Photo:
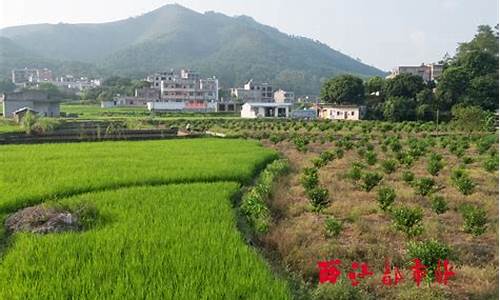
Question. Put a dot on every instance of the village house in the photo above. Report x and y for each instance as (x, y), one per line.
(253, 92)
(185, 86)
(32, 100)
(429, 72)
(228, 107)
(265, 110)
(141, 98)
(281, 96)
(25, 77)
(340, 112)
(181, 106)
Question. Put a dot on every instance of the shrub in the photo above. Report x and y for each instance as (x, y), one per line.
(253, 204)
(407, 160)
(275, 138)
(354, 173)
(408, 220)
(467, 160)
(474, 219)
(327, 156)
(389, 166)
(370, 180)
(309, 178)
(439, 205)
(395, 145)
(434, 166)
(28, 121)
(485, 143)
(301, 143)
(333, 227)
(323, 159)
(254, 208)
(429, 253)
(371, 158)
(339, 153)
(491, 164)
(45, 125)
(318, 197)
(462, 181)
(408, 176)
(345, 143)
(386, 197)
(318, 162)
(424, 186)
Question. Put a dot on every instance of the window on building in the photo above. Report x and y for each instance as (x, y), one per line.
(353, 113)
(338, 113)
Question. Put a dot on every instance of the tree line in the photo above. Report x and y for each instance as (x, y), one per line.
(469, 81)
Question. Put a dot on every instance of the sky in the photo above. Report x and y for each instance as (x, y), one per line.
(382, 33)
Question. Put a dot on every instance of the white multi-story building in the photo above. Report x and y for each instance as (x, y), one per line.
(281, 96)
(429, 72)
(185, 86)
(254, 92)
(71, 82)
(31, 76)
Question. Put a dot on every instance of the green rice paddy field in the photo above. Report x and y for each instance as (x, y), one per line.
(166, 227)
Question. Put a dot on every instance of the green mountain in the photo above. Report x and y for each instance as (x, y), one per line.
(234, 49)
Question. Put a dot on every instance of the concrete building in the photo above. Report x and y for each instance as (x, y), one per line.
(340, 112)
(181, 106)
(281, 96)
(125, 101)
(24, 77)
(37, 101)
(429, 72)
(233, 107)
(254, 92)
(77, 84)
(141, 98)
(185, 86)
(265, 110)
(147, 93)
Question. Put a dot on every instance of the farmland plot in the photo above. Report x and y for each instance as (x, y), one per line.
(165, 227)
(31, 173)
(165, 242)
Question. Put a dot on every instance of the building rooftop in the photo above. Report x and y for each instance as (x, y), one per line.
(29, 95)
(339, 105)
(268, 104)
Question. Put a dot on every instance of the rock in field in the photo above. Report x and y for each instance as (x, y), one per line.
(42, 219)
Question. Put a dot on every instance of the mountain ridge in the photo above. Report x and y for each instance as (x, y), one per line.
(234, 49)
